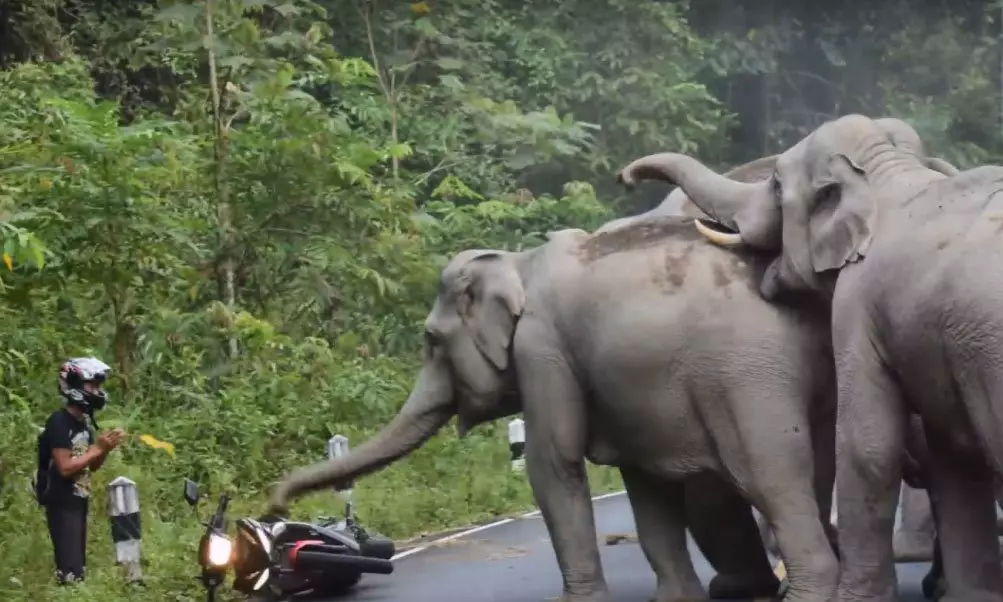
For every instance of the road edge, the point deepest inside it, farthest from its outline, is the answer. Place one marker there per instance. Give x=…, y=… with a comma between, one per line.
x=497, y=523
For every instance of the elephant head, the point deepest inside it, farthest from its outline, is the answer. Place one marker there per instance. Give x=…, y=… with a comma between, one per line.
x=816, y=210
x=465, y=371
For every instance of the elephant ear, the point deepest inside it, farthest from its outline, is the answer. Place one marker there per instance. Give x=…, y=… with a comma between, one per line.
x=842, y=218
x=491, y=304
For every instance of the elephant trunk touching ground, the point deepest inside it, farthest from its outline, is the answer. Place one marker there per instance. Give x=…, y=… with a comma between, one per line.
x=635, y=381
x=429, y=408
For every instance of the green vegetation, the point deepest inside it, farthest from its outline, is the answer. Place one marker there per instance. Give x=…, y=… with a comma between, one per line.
x=243, y=206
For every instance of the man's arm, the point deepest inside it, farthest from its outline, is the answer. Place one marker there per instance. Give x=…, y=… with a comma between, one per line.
x=98, y=461
x=68, y=466
x=62, y=457
x=107, y=442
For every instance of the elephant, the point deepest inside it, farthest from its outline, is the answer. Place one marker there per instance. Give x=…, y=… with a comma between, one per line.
x=637, y=381
x=902, y=256
x=914, y=538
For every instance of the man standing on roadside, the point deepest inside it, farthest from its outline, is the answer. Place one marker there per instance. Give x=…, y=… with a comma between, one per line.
x=67, y=453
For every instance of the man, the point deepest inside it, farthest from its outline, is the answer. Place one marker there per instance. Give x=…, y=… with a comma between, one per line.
x=67, y=453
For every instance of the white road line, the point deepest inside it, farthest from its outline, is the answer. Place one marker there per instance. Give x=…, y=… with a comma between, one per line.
x=497, y=523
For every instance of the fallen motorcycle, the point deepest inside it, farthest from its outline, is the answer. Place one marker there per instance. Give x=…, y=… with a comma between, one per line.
x=274, y=558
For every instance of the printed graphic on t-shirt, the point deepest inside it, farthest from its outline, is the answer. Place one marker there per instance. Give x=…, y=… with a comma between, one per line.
x=82, y=480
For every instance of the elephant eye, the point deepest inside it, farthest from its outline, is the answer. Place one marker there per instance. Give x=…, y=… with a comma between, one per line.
x=432, y=339
x=776, y=187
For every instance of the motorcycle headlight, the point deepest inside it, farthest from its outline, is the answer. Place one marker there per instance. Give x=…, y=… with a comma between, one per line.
x=219, y=551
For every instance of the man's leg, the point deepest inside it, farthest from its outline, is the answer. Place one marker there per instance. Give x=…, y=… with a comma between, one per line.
x=53, y=518
x=82, y=537
x=68, y=529
x=76, y=538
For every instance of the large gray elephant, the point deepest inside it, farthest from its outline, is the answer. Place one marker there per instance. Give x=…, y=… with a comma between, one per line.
x=903, y=256
x=612, y=346
x=914, y=537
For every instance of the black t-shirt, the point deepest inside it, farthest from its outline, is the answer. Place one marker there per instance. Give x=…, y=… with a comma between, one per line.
x=63, y=431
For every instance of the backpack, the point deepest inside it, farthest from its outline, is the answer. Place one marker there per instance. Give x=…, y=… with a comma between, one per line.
x=41, y=481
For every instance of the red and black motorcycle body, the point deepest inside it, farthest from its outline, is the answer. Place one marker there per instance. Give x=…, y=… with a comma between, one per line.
x=289, y=557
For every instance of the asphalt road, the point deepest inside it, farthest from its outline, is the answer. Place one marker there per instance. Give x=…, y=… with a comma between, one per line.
x=514, y=562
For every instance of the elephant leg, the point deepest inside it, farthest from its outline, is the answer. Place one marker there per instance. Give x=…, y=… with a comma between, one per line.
x=871, y=428
x=778, y=466
x=766, y=534
x=659, y=513
x=933, y=583
x=556, y=432
x=963, y=496
x=824, y=447
x=724, y=529
x=998, y=483
x=913, y=541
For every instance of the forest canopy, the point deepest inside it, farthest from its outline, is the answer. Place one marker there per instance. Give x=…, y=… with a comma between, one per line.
x=243, y=206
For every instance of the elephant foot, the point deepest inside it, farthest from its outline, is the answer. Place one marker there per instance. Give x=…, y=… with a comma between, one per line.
x=912, y=547
x=742, y=587
x=933, y=586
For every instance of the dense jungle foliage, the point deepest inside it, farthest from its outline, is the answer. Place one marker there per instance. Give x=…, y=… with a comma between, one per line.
x=243, y=206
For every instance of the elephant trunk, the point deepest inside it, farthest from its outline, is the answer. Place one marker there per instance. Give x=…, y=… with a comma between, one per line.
x=429, y=407
x=744, y=207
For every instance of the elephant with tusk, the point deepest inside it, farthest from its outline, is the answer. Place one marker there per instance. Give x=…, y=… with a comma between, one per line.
x=649, y=349
x=914, y=537
x=903, y=255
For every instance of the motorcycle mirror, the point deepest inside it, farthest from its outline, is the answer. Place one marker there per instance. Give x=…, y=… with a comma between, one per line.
x=337, y=446
x=191, y=492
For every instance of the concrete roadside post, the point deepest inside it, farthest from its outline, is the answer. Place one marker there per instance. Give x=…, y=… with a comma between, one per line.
x=337, y=446
x=123, y=511
x=517, y=443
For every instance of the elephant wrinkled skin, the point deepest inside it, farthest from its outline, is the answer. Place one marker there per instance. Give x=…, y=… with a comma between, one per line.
x=612, y=346
x=908, y=259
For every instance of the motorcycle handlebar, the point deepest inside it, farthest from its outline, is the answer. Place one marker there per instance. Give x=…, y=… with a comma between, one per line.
x=219, y=516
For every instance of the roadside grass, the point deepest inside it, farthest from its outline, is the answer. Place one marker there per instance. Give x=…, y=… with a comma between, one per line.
x=448, y=483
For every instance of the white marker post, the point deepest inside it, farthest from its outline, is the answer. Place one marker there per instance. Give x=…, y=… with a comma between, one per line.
x=517, y=443
x=123, y=510
x=337, y=446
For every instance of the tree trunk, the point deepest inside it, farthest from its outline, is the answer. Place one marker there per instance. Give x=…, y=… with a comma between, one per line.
x=225, y=212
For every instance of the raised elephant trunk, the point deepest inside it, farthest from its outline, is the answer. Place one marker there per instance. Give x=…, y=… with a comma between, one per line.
x=428, y=409
x=744, y=207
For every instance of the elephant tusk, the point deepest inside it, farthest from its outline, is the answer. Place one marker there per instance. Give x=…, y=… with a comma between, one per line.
x=724, y=239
